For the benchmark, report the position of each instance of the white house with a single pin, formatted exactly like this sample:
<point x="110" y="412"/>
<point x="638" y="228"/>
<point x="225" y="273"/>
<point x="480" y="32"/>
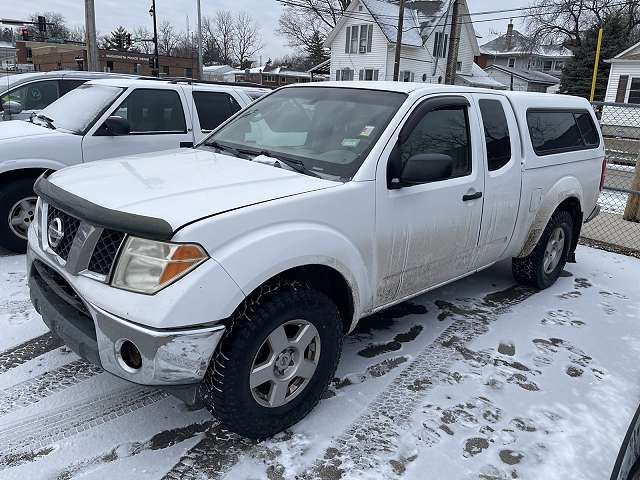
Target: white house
<point x="7" y="54"/>
<point x="363" y="42"/>
<point x="624" y="87"/>
<point x="524" y="80"/>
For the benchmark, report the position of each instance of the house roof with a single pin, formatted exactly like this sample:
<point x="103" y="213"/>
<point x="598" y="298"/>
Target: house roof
<point x="217" y="69"/>
<point x="522" y="45"/>
<point x="630" y="54"/>
<point x="480" y="78"/>
<point x="528" y="75"/>
<point x="6" y="45"/>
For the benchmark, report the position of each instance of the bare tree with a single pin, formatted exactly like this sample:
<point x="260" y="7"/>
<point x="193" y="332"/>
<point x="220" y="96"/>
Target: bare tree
<point x="247" y="39"/>
<point x="140" y="34"/>
<point x="210" y="50"/>
<point x="224" y="34"/>
<point x="168" y="39"/>
<point x="563" y="21"/>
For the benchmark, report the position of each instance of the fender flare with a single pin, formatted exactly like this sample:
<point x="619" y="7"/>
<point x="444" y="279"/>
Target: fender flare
<point x="13" y="167"/>
<point x="563" y="189"/>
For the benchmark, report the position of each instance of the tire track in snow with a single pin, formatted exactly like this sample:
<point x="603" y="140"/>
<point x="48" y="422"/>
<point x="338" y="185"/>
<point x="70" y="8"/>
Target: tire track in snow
<point x="376" y="431"/>
<point x="41" y="430"/>
<point x="28" y="350"/>
<point x="34" y="390"/>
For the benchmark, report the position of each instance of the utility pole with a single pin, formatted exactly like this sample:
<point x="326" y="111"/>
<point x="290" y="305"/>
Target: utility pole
<point x="596" y="65"/>
<point x="156" y="57"/>
<point x="454" y="44"/>
<point x="93" y="61"/>
<point x="396" y="64"/>
<point x="200" y="73"/>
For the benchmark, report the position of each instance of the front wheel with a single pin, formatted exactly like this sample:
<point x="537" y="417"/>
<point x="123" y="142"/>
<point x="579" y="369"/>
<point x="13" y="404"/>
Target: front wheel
<point x="542" y="267"/>
<point x="275" y="362"/>
<point x="17" y="210"/>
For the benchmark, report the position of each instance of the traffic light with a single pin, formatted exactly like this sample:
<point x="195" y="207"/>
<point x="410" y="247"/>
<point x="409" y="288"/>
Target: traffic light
<point x="128" y="42"/>
<point x="25" y="33"/>
<point x="42" y="24"/>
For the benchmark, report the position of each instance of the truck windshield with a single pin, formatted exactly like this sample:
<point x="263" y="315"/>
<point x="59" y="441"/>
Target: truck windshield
<point x="329" y="130"/>
<point x="79" y="108"/>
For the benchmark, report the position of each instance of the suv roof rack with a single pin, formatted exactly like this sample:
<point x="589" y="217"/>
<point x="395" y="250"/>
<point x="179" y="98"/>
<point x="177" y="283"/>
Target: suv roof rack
<point x="192" y="81"/>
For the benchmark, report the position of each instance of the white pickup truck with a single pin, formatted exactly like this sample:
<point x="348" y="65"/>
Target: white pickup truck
<point x="104" y="119"/>
<point x="229" y="274"/>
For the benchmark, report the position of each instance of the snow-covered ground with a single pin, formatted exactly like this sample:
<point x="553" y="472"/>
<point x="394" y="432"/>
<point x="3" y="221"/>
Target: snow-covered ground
<point x="479" y="379"/>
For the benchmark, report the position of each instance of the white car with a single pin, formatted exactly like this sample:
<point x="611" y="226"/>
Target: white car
<point x="104" y="119"/>
<point x="229" y="274"/>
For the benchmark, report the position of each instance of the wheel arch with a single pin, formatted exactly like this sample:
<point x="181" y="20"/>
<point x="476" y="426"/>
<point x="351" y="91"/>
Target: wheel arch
<point x="566" y="194"/>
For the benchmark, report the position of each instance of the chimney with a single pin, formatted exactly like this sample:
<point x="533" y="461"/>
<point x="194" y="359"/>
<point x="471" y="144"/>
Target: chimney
<point x="509" y="36"/>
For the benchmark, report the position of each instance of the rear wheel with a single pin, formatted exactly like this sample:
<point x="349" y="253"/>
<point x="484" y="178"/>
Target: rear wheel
<point x="278" y="355"/>
<point x="17" y="212"/>
<point x="542" y="267"/>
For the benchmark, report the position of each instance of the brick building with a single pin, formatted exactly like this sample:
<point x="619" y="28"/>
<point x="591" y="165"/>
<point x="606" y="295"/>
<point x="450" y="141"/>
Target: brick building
<point x="52" y="56"/>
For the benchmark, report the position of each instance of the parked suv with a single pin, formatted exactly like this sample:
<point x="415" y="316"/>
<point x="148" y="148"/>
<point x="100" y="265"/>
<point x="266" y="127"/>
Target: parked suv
<point x="26" y="94"/>
<point x="104" y="119"/>
<point x="229" y="274"/>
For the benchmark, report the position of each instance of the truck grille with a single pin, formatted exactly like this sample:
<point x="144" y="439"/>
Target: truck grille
<point x="104" y="254"/>
<point x="70" y="227"/>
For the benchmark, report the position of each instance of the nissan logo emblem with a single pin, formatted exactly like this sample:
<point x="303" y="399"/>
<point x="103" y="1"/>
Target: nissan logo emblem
<point x="55" y="233"/>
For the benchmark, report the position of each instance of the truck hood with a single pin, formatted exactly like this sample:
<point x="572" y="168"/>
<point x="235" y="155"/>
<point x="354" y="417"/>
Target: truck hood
<point x="21" y="129"/>
<point x="180" y="186"/>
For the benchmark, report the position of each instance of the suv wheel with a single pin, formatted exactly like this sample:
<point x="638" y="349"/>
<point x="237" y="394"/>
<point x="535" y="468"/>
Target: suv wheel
<point x="542" y="267"/>
<point x="17" y="210"/>
<point x="275" y="362"/>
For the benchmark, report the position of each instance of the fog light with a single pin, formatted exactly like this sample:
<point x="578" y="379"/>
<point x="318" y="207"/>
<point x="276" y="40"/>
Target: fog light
<point x="130" y="356"/>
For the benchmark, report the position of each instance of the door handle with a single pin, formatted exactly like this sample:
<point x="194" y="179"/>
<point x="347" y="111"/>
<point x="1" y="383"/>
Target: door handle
<point x="186" y="144"/>
<point x="472" y="196"/>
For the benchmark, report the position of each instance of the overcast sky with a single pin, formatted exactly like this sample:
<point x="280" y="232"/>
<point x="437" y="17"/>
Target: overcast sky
<point x="131" y="13"/>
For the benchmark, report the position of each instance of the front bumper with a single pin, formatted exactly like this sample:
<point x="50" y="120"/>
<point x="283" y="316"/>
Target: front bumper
<point x="169" y="357"/>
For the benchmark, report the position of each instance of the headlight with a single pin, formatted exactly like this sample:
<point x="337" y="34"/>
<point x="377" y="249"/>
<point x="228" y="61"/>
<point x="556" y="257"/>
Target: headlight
<point x="147" y="266"/>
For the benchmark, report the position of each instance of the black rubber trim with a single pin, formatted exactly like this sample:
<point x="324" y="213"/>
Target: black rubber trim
<point x="633" y="431"/>
<point x="138" y="225"/>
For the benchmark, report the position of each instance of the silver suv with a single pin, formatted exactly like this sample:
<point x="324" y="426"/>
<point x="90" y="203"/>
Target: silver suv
<point x="27" y="93"/>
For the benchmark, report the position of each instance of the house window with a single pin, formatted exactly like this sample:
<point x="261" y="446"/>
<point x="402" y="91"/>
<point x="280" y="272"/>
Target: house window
<point x="270" y="78"/>
<point x="406" y="76"/>
<point x="359" y="38"/>
<point x="188" y="72"/>
<point x="458" y="66"/>
<point x="559" y="65"/>
<point x="344" y="75"/>
<point x="440" y="45"/>
<point x="368" y="74"/>
<point x="547" y="65"/>
<point x="511" y="63"/>
<point x="634" y="92"/>
<point x="109" y="66"/>
<point x="165" y="69"/>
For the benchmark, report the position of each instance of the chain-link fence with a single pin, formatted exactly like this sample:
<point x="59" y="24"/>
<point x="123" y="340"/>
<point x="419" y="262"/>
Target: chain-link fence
<point x="618" y="225"/>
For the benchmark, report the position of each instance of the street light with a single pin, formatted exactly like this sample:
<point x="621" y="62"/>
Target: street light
<point x="156" y="58"/>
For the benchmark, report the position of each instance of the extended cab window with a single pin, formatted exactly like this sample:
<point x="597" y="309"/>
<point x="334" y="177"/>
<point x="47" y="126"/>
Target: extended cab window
<point x="558" y="131"/>
<point x="214" y="108"/>
<point x="496" y="134"/>
<point x="444" y="131"/>
<point x="153" y="111"/>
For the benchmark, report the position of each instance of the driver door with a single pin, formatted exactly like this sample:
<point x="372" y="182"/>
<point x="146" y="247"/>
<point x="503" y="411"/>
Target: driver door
<point x="157" y="120"/>
<point x="428" y="233"/>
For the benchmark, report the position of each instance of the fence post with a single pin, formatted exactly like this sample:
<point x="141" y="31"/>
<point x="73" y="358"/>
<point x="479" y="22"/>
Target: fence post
<point x="632" y="210"/>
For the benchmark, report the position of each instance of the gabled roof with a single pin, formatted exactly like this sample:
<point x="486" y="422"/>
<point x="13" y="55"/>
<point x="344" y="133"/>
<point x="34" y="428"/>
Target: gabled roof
<point x="631" y="53"/>
<point x="419" y="19"/>
<point x="480" y="78"/>
<point x="522" y="45"/>
<point x="528" y="75"/>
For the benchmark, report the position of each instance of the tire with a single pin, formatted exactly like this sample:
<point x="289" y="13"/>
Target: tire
<point x="11" y="195"/>
<point x="532" y="270"/>
<point x="226" y="390"/>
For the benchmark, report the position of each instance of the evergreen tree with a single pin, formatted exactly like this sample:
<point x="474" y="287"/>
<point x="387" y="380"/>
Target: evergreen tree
<point x="577" y="73"/>
<point x="315" y="50"/>
<point x="119" y="39"/>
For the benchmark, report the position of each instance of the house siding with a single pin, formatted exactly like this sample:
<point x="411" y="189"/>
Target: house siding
<point x="519" y="84"/>
<point x="627" y="117"/>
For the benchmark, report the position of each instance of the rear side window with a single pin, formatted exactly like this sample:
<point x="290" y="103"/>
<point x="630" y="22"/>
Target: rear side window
<point x="496" y="134"/>
<point x="557" y="131"/>
<point x="214" y="108"/>
<point x="67" y="85"/>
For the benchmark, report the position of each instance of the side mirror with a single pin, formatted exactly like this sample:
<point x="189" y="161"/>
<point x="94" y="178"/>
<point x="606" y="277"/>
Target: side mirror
<point x="115" y="126"/>
<point x="425" y="168"/>
<point x="12" y="107"/>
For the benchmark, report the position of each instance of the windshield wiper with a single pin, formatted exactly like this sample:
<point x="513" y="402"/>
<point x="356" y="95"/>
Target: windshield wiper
<point x="226" y="148"/>
<point x="47" y="120"/>
<point x="294" y="163"/>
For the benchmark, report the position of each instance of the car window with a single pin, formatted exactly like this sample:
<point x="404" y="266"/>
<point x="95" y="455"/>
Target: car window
<point x="554" y="131"/>
<point x="496" y="133"/>
<point x="153" y="111"/>
<point x="34" y="96"/>
<point x="67" y="85"/>
<point x="214" y="108"/>
<point x="588" y="129"/>
<point x="444" y="131"/>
